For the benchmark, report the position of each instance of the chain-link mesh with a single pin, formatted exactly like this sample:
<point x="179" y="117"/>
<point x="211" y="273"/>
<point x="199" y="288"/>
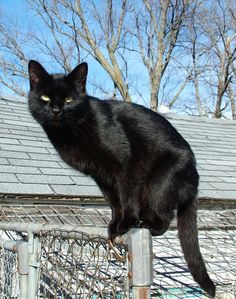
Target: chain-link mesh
<point x="173" y="280"/>
<point x="81" y="268"/>
<point x="9" y="284"/>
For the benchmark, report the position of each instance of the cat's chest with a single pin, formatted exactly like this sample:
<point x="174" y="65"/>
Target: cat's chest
<point x="91" y="153"/>
<point x="75" y="157"/>
<point x="73" y="150"/>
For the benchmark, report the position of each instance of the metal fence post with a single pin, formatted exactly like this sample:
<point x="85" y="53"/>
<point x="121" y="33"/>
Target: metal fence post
<point x="34" y="264"/>
<point x="21" y="249"/>
<point x="22" y="256"/>
<point x="140" y="258"/>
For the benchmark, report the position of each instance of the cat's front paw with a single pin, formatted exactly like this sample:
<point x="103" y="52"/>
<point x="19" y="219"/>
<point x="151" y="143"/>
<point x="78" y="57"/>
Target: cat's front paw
<point x="113" y="230"/>
<point x="120" y="228"/>
<point x="128" y="223"/>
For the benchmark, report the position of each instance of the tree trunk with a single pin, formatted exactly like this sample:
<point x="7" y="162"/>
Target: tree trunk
<point x="197" y="93"/>
<point x="172" y="102"/>
<point x="232" y="101"/>
<point x="154" y="86"/>
<point x="153" y="100"/>
<point x="217" y="112"/>
<point x="222" y="87"/>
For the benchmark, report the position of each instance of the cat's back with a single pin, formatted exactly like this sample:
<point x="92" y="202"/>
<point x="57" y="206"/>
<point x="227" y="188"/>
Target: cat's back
<point x="139" y="121"/>
<point x="125" y="111"/>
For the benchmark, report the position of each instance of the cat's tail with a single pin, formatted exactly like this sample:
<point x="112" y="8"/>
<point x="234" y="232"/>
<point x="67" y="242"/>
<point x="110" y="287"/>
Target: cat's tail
<point x="188" y="235"/>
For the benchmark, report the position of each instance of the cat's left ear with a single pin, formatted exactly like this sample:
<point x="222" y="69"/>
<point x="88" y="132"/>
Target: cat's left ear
<point x="79" y="76"/>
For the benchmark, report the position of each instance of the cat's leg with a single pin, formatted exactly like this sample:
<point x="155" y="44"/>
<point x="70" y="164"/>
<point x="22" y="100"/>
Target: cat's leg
<point x="158" y="205"/>
<point x="155" y="223"/>
<point x="117" y="213"/>
<point x="117" y="216"/>
<point x="130" y="219"/>
<point x="165" y="196"/>
<point x="124" y="203"/>
<point x="112" y="197"/>
<point x="122" y="216"/>
<point x="129" y="196"/>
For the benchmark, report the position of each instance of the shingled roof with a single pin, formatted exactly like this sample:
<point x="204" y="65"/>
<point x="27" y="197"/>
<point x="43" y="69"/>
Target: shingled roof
<point x="30" y="165"/>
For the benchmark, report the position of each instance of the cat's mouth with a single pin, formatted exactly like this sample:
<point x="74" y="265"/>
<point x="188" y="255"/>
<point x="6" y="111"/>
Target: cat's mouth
<point x="55" y="121"/>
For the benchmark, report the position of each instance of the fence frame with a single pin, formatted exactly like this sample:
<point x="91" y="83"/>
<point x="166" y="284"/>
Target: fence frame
<point x="140" y="256"/>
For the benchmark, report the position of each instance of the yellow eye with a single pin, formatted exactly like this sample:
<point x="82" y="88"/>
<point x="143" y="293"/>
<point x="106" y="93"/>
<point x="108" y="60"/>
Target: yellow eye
<point x="45" y="98"/>
<point x="68" y="100"/>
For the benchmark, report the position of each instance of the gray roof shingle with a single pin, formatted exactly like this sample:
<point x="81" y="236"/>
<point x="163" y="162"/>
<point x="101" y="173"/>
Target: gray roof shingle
<point x="30" y="165"/>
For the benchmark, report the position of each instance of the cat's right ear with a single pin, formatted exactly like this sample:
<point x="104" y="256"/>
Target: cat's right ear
<point x="79" y="76"/>
<point x="36" y="73"/>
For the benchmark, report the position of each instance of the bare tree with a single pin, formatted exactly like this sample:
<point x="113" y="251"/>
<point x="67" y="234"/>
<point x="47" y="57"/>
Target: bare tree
<point x="101" y="30"/>
<point x="232" y="96"/>
<point x="175" y="43"/>
<point x="231" y="90"/>
<point x="196" y="52"/>
<point x="100" y="38"/>
<point x="69" y="27"/>
<point x="158" y="29"/>
<point x="220" y="35"/>
<point x="12" y="57"/>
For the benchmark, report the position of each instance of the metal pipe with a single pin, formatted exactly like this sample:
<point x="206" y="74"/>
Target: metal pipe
<point x="22" y="255"/>
<point x="140" y="258"/>
<point x="42" y="228"/>
<point x="8" y="245"/>
<point x="66" y="231"/>
<point x="34" y="264"/>
<point x="21" y="248"/>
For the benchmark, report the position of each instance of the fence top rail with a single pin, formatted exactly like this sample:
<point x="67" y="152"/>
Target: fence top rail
<point x="97" y="233"/>
<point x="11" y="245"/>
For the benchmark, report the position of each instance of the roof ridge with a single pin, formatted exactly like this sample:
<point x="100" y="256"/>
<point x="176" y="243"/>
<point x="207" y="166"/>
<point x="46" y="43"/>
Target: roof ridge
<point x="169" y="115"/>
<point x="176" y="116"/>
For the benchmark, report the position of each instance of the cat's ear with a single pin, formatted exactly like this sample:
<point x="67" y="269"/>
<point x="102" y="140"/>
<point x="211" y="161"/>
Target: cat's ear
<point x="79" y="76"/>
<point x="36" y="73"/>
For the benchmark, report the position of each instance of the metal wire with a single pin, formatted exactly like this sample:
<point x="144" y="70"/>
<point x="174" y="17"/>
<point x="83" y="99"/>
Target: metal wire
<point x="55" y="214"/>
<point x="9" y="283"/>
<point x="172" y="278"/>
<point x="72" y="268"/>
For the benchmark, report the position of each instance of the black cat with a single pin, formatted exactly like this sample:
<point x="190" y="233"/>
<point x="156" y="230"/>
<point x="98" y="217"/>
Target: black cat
<point x="143" y="166"/>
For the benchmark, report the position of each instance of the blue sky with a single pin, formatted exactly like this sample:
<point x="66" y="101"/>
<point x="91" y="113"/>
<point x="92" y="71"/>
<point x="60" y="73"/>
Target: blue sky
<point x="14" y="7"/>
<point x="11" y="5"/>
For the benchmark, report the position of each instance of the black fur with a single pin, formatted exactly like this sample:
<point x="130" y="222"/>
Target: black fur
<point x="143" y="166"/>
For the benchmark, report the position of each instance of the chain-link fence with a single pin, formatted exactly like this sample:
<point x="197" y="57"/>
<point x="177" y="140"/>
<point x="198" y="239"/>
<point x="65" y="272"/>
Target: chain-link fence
<point x="172" y="278"/>
<point x="64" y="262"/>
<point x="77" y="261"/>
<point x="81" y="267"/>
<point x="9" y="283"/>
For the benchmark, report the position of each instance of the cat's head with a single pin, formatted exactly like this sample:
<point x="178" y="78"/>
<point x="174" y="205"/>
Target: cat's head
<point x="53" y="98"/>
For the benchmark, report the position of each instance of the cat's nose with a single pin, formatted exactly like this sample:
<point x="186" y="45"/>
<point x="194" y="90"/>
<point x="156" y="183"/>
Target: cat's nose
<point x="56" y="110"/>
